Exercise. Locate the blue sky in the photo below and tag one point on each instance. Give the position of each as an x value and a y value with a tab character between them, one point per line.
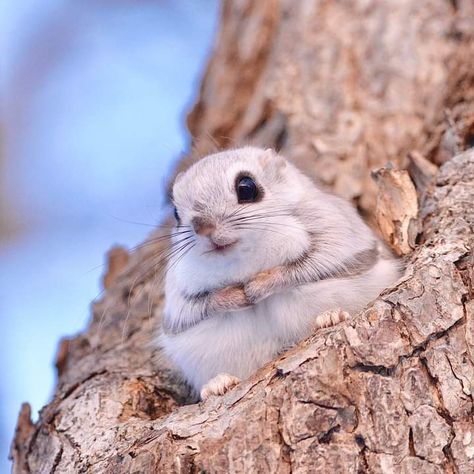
93	100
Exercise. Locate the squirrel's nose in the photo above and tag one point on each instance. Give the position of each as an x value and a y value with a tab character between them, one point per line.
203	226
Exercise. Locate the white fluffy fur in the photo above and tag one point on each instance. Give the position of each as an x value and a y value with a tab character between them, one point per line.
299	215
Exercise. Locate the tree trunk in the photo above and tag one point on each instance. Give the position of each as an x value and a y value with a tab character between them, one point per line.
340	87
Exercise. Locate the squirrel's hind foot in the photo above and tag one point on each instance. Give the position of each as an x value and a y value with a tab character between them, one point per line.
219	385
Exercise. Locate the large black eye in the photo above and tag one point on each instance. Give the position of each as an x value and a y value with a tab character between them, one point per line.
247	189
176	215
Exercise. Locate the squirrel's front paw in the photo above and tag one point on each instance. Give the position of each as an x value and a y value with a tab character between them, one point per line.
219	385
230	298
261	286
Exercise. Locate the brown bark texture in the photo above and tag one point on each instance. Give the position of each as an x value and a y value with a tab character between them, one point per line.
342	88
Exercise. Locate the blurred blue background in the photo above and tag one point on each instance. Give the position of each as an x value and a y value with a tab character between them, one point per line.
93	97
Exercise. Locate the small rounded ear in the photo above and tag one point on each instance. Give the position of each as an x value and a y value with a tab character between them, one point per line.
178	177
271	158
171	186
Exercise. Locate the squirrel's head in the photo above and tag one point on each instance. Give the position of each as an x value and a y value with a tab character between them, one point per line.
238	204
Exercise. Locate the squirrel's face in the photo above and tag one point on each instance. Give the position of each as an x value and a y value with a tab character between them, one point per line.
237	202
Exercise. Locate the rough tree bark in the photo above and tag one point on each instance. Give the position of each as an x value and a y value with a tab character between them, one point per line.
341	87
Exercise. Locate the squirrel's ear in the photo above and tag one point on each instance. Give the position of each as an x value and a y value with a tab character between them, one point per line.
178	177
271	158
171	185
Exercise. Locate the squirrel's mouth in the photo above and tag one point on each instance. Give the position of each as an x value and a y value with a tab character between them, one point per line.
221	247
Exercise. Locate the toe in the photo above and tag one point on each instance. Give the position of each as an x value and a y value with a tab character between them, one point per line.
218	385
